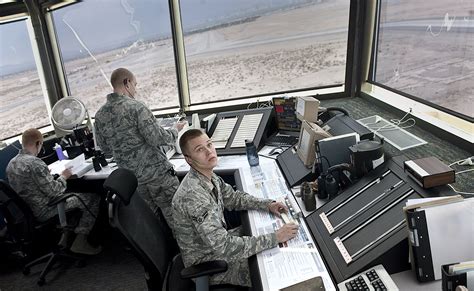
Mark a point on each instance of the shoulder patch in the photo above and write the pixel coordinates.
(200, 218)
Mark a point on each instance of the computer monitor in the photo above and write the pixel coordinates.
(285, 114)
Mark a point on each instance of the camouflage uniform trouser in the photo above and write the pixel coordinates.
(238, 272)
(86, 222)
(158, 194)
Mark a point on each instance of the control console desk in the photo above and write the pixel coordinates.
(288, 264)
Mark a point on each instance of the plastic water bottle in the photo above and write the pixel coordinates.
(59, 152)
(251, 151)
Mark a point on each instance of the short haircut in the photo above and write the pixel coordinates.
(30, 137)
(186, 137)
(119, 76)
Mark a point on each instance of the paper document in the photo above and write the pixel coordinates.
(78, 166)
(247, 129)
(451, 233)
(223, 131)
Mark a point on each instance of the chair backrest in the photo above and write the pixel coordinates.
(18, 215)
(6, 154)
(145, 231)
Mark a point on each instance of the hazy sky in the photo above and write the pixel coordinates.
(126, 21)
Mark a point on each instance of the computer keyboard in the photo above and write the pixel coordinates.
(281, 140)
(373, 279)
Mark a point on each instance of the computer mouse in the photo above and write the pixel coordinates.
(275, 151)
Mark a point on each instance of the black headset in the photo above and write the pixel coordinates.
(328, 186)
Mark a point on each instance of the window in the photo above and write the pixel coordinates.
(96, 37)
(22, 103)
(426, 49)
(246, 48)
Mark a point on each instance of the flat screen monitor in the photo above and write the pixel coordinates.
(334, 150)
(285, 115)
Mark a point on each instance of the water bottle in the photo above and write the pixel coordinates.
(59, 152)
(251, 151)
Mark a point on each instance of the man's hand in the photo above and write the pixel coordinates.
(66, 174)
(277, 207)
(286, 232)
(180, 124)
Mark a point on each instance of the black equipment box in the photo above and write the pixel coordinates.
(429, 172)
(365, 225)
(292, 167)
(342, 124)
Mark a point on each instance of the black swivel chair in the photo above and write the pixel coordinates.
(147, 236)
(25, 234)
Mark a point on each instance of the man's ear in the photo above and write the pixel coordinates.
(188, 159)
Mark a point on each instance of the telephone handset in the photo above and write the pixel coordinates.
(328, 185)
(195, 124)
(324, 113)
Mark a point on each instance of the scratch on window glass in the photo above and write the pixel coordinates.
(448, 23)
(88, 51)
(130, 10)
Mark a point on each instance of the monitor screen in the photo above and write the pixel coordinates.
(285, 113)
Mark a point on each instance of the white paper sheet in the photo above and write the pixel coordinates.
(451, 233)
(223, 131)
(247, 129)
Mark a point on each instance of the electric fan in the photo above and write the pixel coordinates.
(67, 114)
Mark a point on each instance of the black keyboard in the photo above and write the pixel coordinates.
(281, 140)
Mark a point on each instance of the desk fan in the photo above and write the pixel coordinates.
(67, 114)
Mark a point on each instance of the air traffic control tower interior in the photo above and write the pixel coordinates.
(361, 113)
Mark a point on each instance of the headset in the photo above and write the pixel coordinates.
(328, 185)
(125, 83)
(324, 113)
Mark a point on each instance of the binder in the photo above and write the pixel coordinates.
(440, 231)
(463, 277)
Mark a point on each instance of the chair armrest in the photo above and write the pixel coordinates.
(57, 200)
(204, 269)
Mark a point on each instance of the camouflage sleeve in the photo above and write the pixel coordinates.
(238, 200)
(101, 140)
(45, 181)
(153, 133)
(206, 221)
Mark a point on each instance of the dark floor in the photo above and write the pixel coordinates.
(114, 269)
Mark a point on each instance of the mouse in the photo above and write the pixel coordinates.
(275, 151)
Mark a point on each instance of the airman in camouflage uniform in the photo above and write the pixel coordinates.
(30, 177)
(127, 130)
(198, 211)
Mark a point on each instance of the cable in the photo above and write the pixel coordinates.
(460, 192)
(464, 162)
(395, 123)
(83, 203)
(465, 171)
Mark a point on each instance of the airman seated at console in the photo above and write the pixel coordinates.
(198, 213)
(30, 177)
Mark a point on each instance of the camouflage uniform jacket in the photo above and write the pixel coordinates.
(127, 130)
(30, 177)
(200, 228)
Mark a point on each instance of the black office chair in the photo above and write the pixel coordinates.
(27, 236)
(147, 236)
